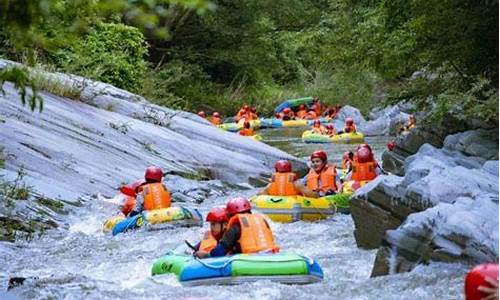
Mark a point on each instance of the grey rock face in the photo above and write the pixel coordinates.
(443, 209)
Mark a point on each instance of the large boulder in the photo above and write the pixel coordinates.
(447, 181)
(386, 121)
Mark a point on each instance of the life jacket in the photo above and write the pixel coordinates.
(282, 184)
(311, 115)
(215, 121)
(248, 116)
(318, 108)
(348, 129)
(256, 236)
(128, 204)
(327, 178)
(319, 130)
(208, 242)
(363, 171)
(156, 196)
(246, 132)
(301, 114)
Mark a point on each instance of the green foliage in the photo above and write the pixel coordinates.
(22, 80)
(112, 53)
(11, 191)
(51, 85)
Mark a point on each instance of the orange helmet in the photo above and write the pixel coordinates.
(319, 154)
(283, 166)
(153, 173)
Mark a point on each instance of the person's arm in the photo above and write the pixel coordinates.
(228, 241)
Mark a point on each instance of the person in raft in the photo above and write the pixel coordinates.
(288, 114)
(129, 193)
(242, 112)
(321, 179)
(246, 131)
(202, 114)
(349, 126)
(318, 128)
(152, 194)
(247, 233)
(216, 119)
(330, 130)
(364, 166)
(218, 219)
(302, 112)
(284, 182)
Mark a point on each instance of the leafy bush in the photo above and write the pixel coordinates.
(112, 53)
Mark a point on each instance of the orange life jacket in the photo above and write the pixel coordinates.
(364, 171)
(311, 115)
(282, 184)
(128, 204)
(256, 235)
(156, 196)
(215, 121)
(208, 242)
(240, 114)
(348, 129)
(246, 132)
(318, 108)
(319, 130)
(327, 178)
(301, 114)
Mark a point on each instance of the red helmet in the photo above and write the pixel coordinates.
(201, 114)
(349, 121)
(237, 205)
(319, 154)
(317, 123)
(217, 214)
(476, 278)
(253, 109)
(246, 124)
(283, 166)
(287, 110)
(390, 145)
(153, 173)
(216, 114)
(364, 155)
(329, 126)
(302, 106)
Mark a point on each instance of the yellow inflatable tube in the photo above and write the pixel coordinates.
(288, 209)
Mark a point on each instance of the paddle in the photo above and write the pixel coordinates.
(190, 245)
(128, 223)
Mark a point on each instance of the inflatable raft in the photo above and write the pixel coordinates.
(292, 103)
(287, 268)
(175, 216)
(277, 123)
(344, 138)
(288, 209)
(234, 127)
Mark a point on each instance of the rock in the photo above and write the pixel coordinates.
(386, 121)
(416, 218)
(480, 143)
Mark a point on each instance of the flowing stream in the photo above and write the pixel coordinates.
(80, 262)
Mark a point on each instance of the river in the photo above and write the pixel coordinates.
(80, 262)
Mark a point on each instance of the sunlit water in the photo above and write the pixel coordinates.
(83, 263)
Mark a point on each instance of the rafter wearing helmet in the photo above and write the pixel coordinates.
(318, 128)
(321, 178)
(247, 233)
(288, 114)
(246, 130)
(152, 194)
(349, 126)
(218, 219)
(216, 119)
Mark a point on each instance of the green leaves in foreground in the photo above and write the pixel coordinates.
(22, 81)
